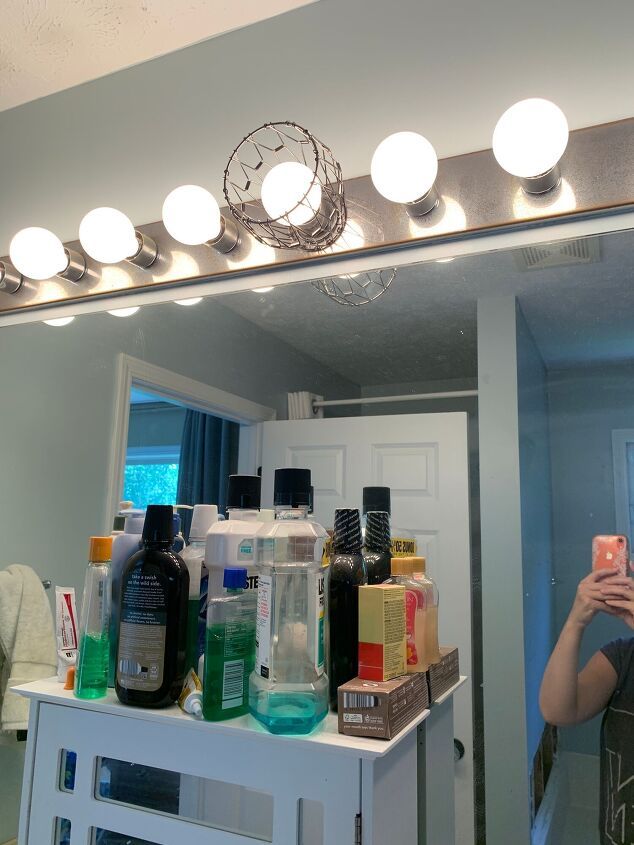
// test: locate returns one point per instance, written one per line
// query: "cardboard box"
(381, 709)
(442, 676)
(382, 649)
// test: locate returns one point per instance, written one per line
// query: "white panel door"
(423, 458)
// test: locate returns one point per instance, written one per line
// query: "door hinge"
(357, 829)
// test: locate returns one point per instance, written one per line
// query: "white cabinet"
(162, 778)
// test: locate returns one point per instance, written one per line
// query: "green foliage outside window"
(150, 484)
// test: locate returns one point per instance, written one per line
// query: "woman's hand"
(621, 598)
(592, 596)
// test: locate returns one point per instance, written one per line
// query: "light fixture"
(285, 186)
(192, 216)
(10, 278)
(124, 312)
(39, 254)
(187, 302)
(262, 290)
(59, 321)
(528, 142)
(109, 237)
(290, 193)
(404, 169)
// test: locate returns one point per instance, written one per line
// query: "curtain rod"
(406, 397)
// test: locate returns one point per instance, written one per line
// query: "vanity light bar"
(10, 278)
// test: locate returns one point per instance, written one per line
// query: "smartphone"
(610, 551)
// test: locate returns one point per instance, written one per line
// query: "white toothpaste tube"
(65, 630)
(190, 699)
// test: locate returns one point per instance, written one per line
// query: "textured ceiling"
(49, 45)
(424, 327)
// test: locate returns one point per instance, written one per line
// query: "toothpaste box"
(381, 709)
(382, 645)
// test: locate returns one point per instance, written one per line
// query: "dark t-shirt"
(616, 808)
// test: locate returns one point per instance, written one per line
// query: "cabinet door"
(166, 780)
(423, 458)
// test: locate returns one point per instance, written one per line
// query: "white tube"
(65, 630)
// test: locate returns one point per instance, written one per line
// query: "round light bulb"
(187, 302)
(124, 312)
(530, 138)
(108, 236)
(191, 215)
(289, 193)
(404, 167)
(59, 321)
(38, 253)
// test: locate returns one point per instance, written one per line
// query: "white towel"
(27, 641)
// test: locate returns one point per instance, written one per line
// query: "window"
(151, 475)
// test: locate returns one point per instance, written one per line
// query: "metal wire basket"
(356, 288)
(317, 219)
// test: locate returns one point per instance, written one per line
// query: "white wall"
(586, 404)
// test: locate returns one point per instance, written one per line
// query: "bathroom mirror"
(529, 347)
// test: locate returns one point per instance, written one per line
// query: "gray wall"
(58, 386)
(586, 404)
(536, 504)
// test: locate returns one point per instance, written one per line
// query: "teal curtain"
(209, 455)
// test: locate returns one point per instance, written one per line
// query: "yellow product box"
(382, 640)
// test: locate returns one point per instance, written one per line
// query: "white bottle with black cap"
(230, 543)
(379, 499)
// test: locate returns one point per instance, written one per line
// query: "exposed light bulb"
(124, 312)
(262, 290)
(444, 260)
(191, 215)
(59, 321)
(404, 167)
(38, 253)
(290, 195)
(108, 236)
(530, 138)
(187, 302)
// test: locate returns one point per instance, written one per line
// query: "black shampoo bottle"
(153, 617)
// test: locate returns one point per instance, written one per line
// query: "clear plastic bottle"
(288, 691)
(432, 649)
(415, 620)
(229, 648)
(193, 555)
(91, 673)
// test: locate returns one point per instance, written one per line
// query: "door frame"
(133, 372)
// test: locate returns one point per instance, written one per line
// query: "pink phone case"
(610, 551)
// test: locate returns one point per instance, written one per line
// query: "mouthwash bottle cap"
(377, 531)
(292, 488)
(235, 578)
(100, 549)
(419, 564)
(376, 499)
(243, 491)
(159, 524)
(203, 518)
(118, 523)
(402, 566)
(347, 533)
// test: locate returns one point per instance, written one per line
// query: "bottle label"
(403, 547)
(238, 646)
(263, 627)
(411, 605)
(245, 549)
(320, 597)
(142, 632)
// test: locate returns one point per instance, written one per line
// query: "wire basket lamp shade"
(357, 288)
(286, 188)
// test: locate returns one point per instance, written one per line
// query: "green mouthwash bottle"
(91, 673)
(229, 648)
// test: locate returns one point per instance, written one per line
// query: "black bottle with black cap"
(153, 617)
(379, 500)
(347, 574)
(377, 547)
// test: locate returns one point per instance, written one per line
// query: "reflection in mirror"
(532, 346)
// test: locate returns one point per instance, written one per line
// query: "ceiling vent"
(562, 254)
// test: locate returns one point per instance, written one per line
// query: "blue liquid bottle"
(288, 690)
